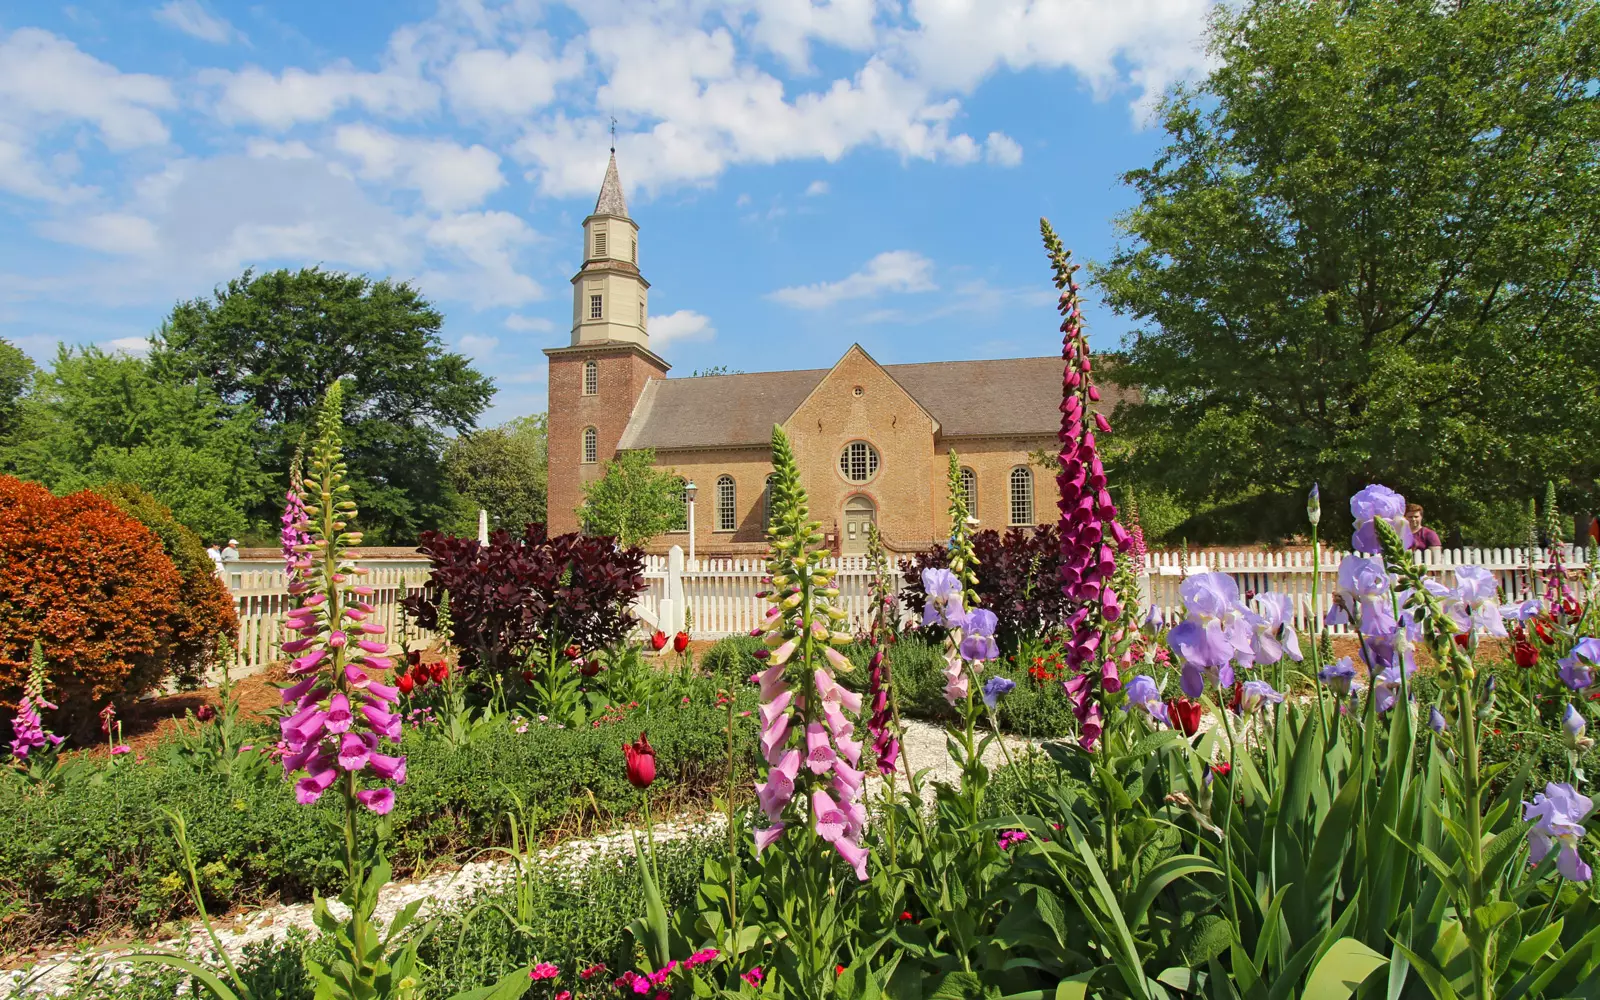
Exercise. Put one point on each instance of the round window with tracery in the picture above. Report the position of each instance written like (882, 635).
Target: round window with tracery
(858, 462)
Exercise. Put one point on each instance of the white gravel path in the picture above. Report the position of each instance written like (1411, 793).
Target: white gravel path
(923, 747)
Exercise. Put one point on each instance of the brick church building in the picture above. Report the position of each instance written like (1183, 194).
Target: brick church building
(872, 440)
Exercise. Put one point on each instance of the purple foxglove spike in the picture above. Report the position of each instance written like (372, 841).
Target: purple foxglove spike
(339, 717)
(382, 692)
(356, 676)
(296, 645)
(389, 768)
(353, 753)
(376, 662)
(379, 800)
(768, 836)
(372, 646)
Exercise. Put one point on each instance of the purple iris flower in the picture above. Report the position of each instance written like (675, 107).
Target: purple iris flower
(943, 606)
(1210, 595)
(1374, 503)
(977, 635)
(1386, 689)
(1395, 649)
(1273, 636)
(1363, 592)
(1340, 676)
(1575, 725)
(1577, 670)
(1192, 678)
(996, 688)
(1436, 719)
(1256, 694)
(1531, 608)
(1557, 813)
(1476, 604)
(1142, 691)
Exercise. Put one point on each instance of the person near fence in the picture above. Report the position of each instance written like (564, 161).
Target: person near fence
(214, 550)
(1422, 536)
(231, 553)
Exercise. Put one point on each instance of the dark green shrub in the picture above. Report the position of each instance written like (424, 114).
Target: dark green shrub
(731, 661)
(97, 853)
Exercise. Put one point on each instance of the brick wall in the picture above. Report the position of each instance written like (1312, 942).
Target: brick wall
(622, 373)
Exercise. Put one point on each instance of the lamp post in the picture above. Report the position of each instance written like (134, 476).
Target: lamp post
(689, 490)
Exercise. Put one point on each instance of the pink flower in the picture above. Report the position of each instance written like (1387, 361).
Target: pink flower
(775, 793)
(379, 800)
(117, 751)
(544, 970)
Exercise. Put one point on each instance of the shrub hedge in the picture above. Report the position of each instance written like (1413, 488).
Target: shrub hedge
(93, 585)
(96, 853)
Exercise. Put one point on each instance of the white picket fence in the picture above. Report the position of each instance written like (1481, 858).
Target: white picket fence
(1290, 572)
(261, 599)
(717, 597)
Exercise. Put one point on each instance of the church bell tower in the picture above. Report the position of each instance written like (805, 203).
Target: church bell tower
(597, 379)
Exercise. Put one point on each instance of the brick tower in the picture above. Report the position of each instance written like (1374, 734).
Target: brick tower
(596, 380)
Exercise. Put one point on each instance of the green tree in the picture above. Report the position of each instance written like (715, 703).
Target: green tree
(633, 500)
(1368, 253)
(16, 373)
(277, 340)
(93, 418)
(502, 470)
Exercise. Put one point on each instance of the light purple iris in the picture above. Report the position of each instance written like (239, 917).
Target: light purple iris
(1556, 814)
(1255, 694)
(1143, 692)
(943, 606)
(1375, 503)
(996, 688)
(977, 636)
(1436, 719)
(1386, 689)
(1363, 592)
(1577, 669)
(1574, 724)
(1395, 649)
(1340, 676)
(1272, 631)
(1477, 605)
(1531, 608)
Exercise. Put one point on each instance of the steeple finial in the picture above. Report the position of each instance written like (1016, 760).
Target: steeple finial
(613, 135)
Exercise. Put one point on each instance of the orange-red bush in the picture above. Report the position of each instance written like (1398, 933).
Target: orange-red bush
(94, 587)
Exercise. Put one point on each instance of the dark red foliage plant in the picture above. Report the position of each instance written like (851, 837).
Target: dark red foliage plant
(1017, 575)
(536, 592)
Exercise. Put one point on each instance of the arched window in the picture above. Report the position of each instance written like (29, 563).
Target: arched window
(1022, 495)
(727, 518)
(591, 378)
(766, 502)
(858, 462)
(682, 524)
(591, 445)
(969, 491)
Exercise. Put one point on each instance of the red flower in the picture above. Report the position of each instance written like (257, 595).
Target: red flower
(658, 641)
(1523, 652)
(680, 642)
(1463, 638)
(641, 762)
(205, 713)
(414, 657)
(1185, 714)
(1542, 628)
(906, 915)
(1221, 770)
(573, 652)
(838, 970)
(527, 677)
(1238, 696)
(441, 670)
(589, 669)
(405, 683)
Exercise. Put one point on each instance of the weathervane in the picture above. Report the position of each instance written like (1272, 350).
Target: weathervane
(613, 135)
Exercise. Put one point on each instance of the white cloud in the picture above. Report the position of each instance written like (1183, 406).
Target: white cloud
(449, 177)
(1002, 149)
(487, 241)
(271, 149)
(495, 82)
(253, 96)
(189, 17)
(683, 325)
(50, 81)
(529, 324)
(891, 271)
(816, 188)
(111, 232)
(476, 346)
(128, 345)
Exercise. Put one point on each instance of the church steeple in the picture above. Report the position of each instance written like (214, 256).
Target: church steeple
(609, 295)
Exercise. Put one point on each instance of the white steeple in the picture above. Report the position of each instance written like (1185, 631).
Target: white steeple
(609, 295)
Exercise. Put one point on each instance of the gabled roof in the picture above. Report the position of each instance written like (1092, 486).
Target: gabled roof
(1014, 397)
(611, 201)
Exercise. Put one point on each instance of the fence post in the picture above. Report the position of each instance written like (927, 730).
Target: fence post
(483, 527)
(672, 616)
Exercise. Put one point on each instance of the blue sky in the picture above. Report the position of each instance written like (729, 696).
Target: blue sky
(806, 173)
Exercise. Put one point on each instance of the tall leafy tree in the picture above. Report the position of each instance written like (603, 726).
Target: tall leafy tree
(277, 340)
(633, 500)
(16, 374)
(502, 470)
(1368, 253)
(93, 417)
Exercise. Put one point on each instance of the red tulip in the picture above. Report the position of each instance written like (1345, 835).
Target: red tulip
(588, 669)
(573, 652)
(1221, 770)
(1523, 652)
(658, 641)
(680, 642)
(205, 713)
(441, 670)
(641, 762)
(527, 677)
(1185, 714)
(404, 683)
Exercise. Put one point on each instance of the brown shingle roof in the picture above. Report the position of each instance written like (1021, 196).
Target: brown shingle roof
(1014, 396)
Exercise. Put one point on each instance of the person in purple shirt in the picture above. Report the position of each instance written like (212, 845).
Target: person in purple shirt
(1421, 537)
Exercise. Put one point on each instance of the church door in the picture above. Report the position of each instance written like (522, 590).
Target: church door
(858, 513)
